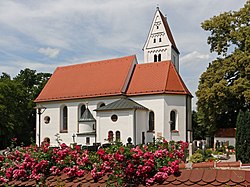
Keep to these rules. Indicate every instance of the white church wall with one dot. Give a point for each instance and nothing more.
(81, 139)
(175, 59)
(175, 103)
(86, 127)
(124, 124)
(49, 129)
(154, 103)
(162, 105)
(141, 122)
(53, 110)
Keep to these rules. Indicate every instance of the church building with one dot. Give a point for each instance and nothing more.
(119, 99)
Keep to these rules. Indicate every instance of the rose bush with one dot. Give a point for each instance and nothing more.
(143, 164)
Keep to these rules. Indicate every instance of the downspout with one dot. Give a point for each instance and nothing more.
(135, 126)
(95, 131)
(187, 120)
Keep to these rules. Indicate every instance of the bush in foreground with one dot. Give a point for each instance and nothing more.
(144, 164)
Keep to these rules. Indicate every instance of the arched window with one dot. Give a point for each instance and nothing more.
(110, 136)
(155, 58)
(82, 110)
(102, 104)
(159, 39)
(64, 126)
(159, 57)
(154, 40)
(117, 136)
(173, 120)
(151, 122)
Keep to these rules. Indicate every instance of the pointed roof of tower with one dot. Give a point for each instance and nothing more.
(167, 29)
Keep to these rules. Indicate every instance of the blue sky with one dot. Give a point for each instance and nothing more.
(44, 34)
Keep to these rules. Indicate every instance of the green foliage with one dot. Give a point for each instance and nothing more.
(196, 158)
(202, 156)
(230, 147)
(198, 131)
(229, 28)
(16, 105)
(243, 137)
(224, 87)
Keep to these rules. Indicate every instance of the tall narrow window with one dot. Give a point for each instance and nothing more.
(172, 120)
(151, 121)
(65, 119)
(155, 58)
(159, 57)
(82, 110)
(143, 137)
(110, 136)
(87, 140)
(154, 40)
(159, 39)
(117, 136)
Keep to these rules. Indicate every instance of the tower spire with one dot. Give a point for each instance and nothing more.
(157, 7)
(160, 44)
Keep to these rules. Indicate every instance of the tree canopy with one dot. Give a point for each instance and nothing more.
(224, 87)
(16, 105)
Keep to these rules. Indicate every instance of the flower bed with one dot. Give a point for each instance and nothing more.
(144, 164)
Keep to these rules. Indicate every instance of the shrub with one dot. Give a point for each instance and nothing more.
(196, 158)
(230, 147)
(243, 137)
(143, 164)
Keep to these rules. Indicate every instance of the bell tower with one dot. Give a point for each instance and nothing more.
(160, 45)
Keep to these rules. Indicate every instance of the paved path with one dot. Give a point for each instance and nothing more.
(231, 159)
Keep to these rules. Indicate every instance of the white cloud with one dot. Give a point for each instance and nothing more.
(50, 52)
(83, 30)
(194, 56)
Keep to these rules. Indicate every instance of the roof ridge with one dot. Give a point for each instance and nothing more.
(180, 79)
(92, 62)
(167, 76)
(129, 76)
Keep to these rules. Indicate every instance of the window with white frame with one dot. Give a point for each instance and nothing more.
(64, 117)
(173, 120)
(82, 109)
(151, 121)
(110, 136)
(87, 140)
(159, 57)
(117, 136)
(155, 58)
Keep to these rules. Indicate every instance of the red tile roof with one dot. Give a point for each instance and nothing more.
(155, 78)
(113, 77)
(186, 177)
(102, 78)
(226, 132)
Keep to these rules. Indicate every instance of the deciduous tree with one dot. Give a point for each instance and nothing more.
(224, 87)
(16, 104)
